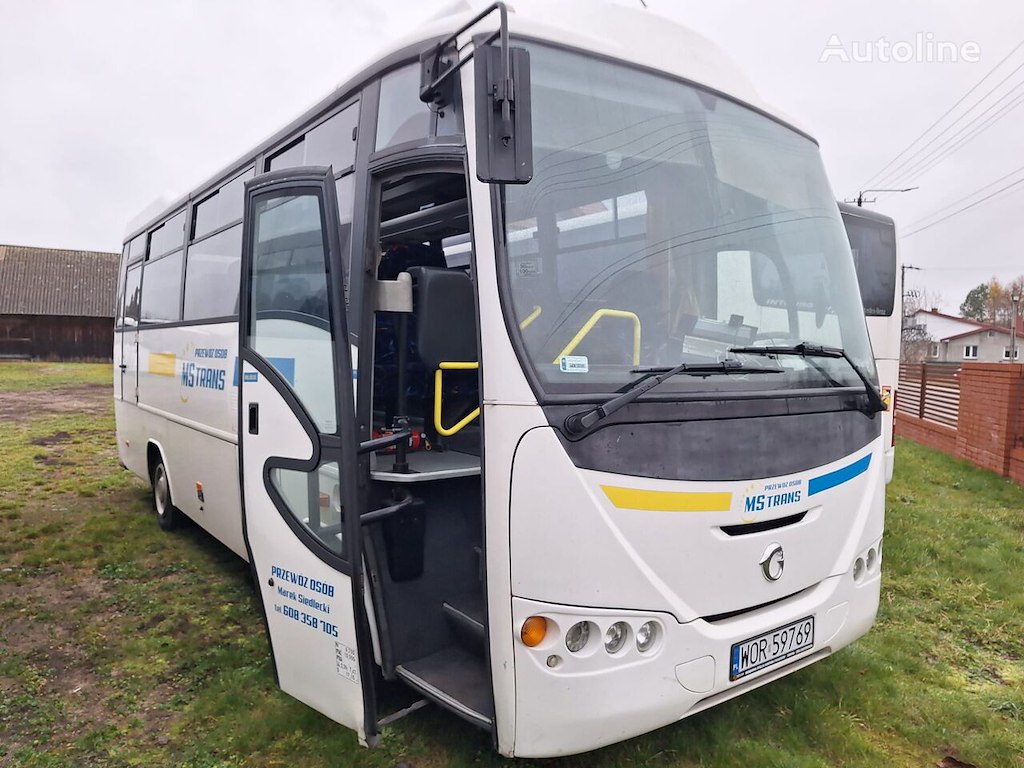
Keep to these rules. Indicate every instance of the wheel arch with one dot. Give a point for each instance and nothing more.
(155, 452)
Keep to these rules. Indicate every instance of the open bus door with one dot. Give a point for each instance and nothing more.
(297, 444)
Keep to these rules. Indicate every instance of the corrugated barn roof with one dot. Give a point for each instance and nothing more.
(53, 281)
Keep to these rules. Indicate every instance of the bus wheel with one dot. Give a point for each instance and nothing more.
(167, 516)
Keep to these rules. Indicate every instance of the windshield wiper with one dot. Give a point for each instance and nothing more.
(803, 349)
(581, 422)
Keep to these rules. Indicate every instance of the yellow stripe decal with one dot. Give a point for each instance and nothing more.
(162, 363)
(667, 501)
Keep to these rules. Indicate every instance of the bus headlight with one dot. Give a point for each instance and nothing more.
(646, 636)
(577, 636)
(867, 563)
(615, 636)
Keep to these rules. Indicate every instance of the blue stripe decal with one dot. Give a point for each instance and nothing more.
(840, 476)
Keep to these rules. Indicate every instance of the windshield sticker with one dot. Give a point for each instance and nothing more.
(574, 364)
(528, 268)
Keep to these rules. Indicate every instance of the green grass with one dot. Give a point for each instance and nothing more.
(121, 645)
(22, 377)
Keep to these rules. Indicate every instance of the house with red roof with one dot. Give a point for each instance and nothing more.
(954, 339)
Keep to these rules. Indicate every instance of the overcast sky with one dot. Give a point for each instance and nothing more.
(108, 105)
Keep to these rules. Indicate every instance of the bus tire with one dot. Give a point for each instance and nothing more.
(167, 515)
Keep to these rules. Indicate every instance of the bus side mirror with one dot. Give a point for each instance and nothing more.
(504, 132)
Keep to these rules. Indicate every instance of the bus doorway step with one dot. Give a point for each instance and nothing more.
(465, 615)
(454, 679)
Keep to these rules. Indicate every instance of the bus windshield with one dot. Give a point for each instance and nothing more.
(667, 224)
(873, 242)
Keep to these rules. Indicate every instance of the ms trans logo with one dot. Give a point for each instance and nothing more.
(771, 495)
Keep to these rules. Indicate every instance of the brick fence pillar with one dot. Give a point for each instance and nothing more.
(989, 424)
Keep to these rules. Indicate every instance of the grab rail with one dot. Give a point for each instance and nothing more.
(530, 318)
(438, 375)
(594, 319)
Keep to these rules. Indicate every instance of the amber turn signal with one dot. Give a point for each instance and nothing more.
(533, 631)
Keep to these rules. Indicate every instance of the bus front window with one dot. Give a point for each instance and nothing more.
(667, 224)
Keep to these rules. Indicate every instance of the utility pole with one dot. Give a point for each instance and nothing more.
(859, 200)
(903, 286)
(1015, 299)
(903, 306)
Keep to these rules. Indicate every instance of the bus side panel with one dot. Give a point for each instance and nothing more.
(204, 473)
(188, 397)
(888, 376)
(189, 373)
(885, 343)
(131, 437)
(118, 359)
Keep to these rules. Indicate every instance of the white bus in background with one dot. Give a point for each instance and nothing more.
(872, 238)
(616, 451)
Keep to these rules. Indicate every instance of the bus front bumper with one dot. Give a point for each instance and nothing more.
(567, 703)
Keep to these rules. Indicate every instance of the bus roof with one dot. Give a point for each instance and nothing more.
(850, 209)
(582, 24)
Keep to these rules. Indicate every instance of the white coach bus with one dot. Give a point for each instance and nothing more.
(872, 237)
(529, 369)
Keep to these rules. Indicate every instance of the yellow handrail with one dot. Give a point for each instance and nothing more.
(530, 318)
(589, 326)
(441, 430)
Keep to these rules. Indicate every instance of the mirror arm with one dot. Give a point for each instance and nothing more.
(508, 97)
(430, 60)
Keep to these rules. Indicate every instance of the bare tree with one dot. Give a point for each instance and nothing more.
(914, 339)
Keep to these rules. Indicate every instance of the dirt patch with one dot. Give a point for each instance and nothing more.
(55, 439)
(53, 461)
(68, 679)
(18, 407)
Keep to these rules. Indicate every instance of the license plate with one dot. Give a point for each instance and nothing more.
(756, 653)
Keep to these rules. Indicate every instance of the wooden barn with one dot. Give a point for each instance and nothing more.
(56, 304)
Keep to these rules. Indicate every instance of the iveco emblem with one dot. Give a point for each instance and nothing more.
(773, 561)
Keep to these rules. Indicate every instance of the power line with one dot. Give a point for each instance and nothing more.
(971, 268)
(961, 210)
(924, 164)
(942, 116)
(935, 213)
(974, 134)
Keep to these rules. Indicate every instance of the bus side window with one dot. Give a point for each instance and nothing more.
(212, 275)
(402, 116)
(161, 289)
(214, 257)
(131, 299)
(133, 296)
(332, 142)
(221, 208)
(119, 309)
